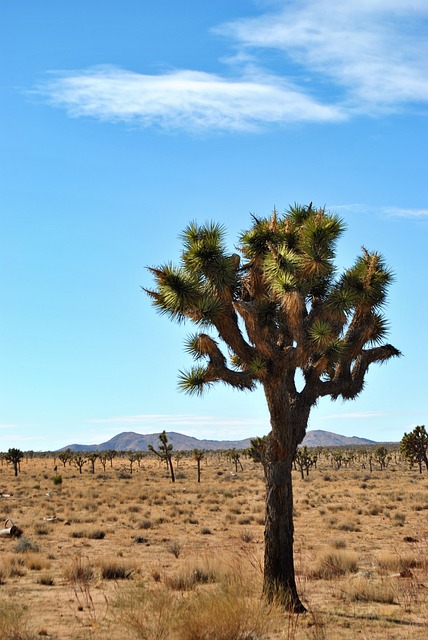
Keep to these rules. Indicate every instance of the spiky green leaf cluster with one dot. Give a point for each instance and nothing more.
(279, 309)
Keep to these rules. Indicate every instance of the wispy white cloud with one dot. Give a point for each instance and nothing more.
(332, 61)
(374, 52)
(183, 99)
(8, 426)
(392, 212)
(406, 212)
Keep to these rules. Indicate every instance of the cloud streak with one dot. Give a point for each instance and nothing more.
(374, 52)
(332, 61)
(183, 99)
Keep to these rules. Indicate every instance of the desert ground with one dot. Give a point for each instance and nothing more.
(112, 554)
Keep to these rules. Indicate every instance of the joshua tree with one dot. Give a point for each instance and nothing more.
(304, 459)
(79, 461)
(414, 445)
(103, 459)
(235, 457)
(381, 456)
(111, 455)
(92, 457)
(290, 325)
(65, 456)
(164, 453)
(198, 456)
(14, 456)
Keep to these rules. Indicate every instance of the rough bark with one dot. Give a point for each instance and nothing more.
(288, 421)
(279, 575)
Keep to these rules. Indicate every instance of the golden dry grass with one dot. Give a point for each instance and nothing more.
(114, 555)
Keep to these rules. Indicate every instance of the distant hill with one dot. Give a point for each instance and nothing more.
(130, 441)
(318, 438)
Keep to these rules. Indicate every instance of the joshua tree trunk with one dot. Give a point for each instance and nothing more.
(279, 575)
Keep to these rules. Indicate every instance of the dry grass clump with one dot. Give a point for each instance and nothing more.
(219, 612)
(367, 589)
(14, 622)
(91, 534)
(113, 569)
(224, 615)
(332, 563)
(389, 562)
(79, 571)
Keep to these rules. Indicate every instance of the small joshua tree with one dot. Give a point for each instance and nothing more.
(79, 461)
(235, 457)
(14, 456)
(381, 457)
(304, 460)
(198, 456)
(65, 456)
(164, 453)
(92, 458)
(414, 447)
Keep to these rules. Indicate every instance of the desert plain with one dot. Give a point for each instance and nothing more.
(114, 554)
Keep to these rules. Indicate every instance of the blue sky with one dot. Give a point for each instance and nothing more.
(123, 121)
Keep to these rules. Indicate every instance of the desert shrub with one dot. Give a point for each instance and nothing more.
(57, 480)
(224, 615)
(112, 569)
(25, 545)
(35, 562)
(399, 519)
(92, 534)
(41, 529)
(46, 580)
(334, 562)
(13, 622)
(189, 577)
(175, 547)
(206, 531)
(147, 614)
(79, 571)
(363, 589)
(397, 563)
(247, 536)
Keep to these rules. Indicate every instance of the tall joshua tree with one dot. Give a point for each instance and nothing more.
(290, 325)
(164, 452)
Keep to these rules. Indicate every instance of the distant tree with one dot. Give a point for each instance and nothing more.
(65, 456)
(14, 456)
(138, 456)
(92, 457)
(103, 459)
(285, 317)
(132, 457)
(235, 457)
(164, 452)
(381, 456)
(337, 458)
(258, 450)
(111, 455)
(304, 459)
(414, 445)
(79, 460)
(198, 456)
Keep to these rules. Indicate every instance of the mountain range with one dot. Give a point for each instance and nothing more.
(130, 441)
